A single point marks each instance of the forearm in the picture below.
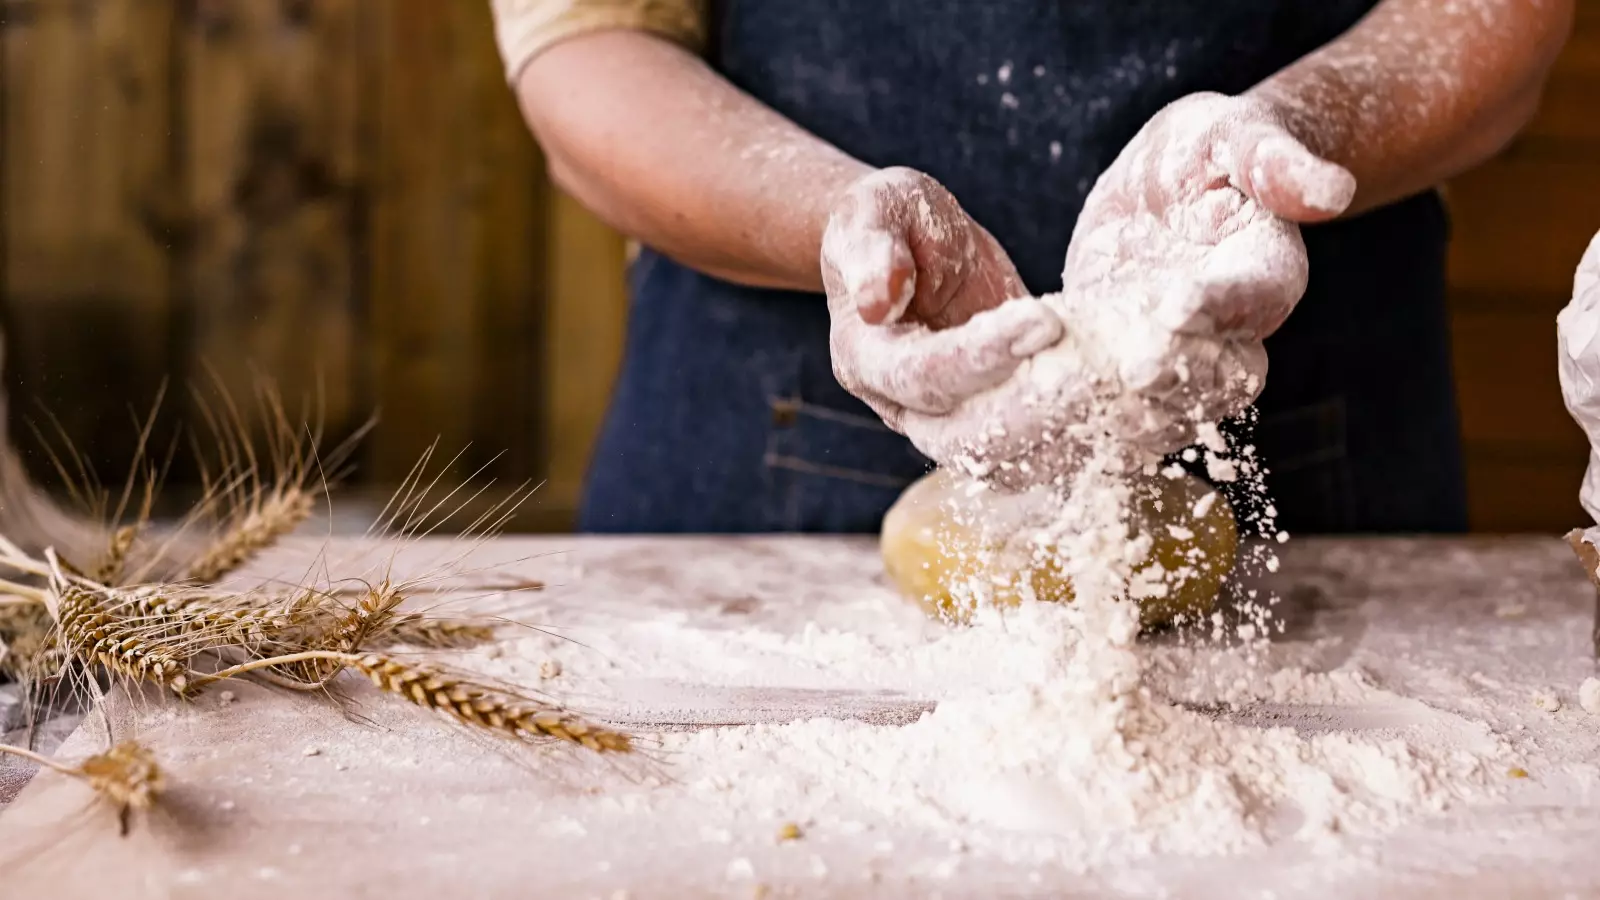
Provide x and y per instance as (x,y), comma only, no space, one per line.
(666,151)
(1421,90)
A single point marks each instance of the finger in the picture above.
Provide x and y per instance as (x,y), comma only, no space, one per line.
(932,371)
(1286,178)
(873,271)
(1246,286)
(1005,437)
(892,414)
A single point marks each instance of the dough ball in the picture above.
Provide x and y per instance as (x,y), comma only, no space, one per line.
(951,545)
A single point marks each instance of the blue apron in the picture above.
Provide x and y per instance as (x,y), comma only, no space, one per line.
(727,417)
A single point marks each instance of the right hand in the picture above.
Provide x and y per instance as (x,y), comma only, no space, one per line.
(927,309)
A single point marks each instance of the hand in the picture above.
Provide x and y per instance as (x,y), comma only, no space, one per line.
(1184,258)
(1578,363)
(1193,228)
(1195,220)
(927,309)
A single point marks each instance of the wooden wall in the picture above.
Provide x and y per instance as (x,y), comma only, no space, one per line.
(341,195)
(337,194)
(1521,225)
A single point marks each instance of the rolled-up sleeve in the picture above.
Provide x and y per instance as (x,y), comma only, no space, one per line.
(525,28)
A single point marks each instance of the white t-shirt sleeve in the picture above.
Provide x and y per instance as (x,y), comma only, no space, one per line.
(526,28)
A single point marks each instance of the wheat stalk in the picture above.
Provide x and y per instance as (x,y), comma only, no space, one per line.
(91,631)
(264,522)
(31,650)
(417,630)
(127,776)
(109,569)
(457,696)
(369,617)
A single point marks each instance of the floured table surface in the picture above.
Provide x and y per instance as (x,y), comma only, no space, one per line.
(1472,641)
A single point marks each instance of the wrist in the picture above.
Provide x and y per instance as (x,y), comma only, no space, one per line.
(1315,108)
(829,189)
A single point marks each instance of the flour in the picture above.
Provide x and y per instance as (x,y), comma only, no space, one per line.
(1589,695)
(1054,737)
(1074,759)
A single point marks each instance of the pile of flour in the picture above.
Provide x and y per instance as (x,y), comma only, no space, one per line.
(1078,761)
(1048,739)
(1052,739)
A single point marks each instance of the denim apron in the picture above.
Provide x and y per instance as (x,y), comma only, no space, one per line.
(727,417)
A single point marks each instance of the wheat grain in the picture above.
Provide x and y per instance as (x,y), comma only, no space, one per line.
(483,706)
(260,526)
(457,696)
(417,630)
(371,616)
(127,776)
(93,633)
(109,569)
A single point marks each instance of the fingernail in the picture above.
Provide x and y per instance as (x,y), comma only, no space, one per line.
(1324,187)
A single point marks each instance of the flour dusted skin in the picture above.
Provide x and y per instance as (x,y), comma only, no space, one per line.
(953,545)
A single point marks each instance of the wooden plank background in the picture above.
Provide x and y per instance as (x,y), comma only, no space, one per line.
(336,194)
(1521,224)
(340,195)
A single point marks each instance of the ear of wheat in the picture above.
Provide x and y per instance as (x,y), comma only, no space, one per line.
(366,619)
(31,650)
(457,696)
(264,521)
(417,630)
(127,776)
(483,706)
(110,567)
(202,621)
(91,631)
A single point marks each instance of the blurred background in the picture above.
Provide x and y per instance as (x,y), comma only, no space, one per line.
(340,196)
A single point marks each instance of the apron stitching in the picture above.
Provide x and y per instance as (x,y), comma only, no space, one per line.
(800,407)
(794,464)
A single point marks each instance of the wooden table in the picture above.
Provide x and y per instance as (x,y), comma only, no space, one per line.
(390,807)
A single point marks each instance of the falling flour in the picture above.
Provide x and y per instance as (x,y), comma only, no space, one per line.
(1077,761)
(1053,738)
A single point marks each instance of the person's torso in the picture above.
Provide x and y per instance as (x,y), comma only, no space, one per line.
(727,415)
(1015,105)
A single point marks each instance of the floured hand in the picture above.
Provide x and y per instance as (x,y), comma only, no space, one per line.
(927,309)
(1185,257)
(1195,220)
(1578,362)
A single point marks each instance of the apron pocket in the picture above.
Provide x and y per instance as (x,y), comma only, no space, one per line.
(831,469)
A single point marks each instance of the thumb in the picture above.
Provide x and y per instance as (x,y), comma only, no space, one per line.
(1288,180)
(876,271)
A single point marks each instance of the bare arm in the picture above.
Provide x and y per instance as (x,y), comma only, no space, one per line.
(688,164)
(1421,90)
